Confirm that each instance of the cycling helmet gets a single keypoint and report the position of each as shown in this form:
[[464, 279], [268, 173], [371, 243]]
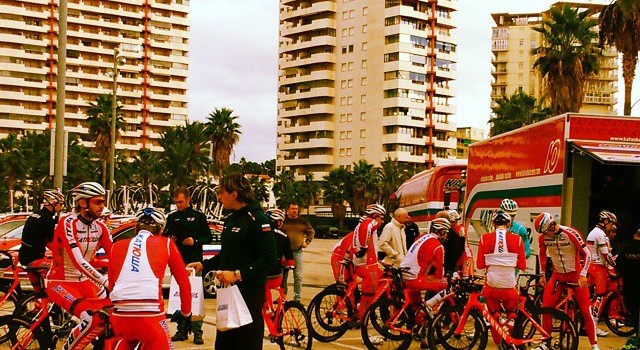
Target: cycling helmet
[[542, 222], [374, 209], [88, 190], [52, 197], [454, 215], [151, 215], [440, 224], [509, 206], [607, 215], [276, 215], [501, 218]]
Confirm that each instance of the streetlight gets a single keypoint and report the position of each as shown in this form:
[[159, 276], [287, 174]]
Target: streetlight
[[117, 60]]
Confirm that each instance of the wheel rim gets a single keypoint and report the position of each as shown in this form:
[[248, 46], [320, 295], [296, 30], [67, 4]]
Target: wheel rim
[[208, 284]]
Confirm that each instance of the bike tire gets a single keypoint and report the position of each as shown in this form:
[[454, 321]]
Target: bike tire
[[375, 332], [564, 334], [294, 323], [621, 324], [324, 327], [443, 325], [10, 303], [20, 335]]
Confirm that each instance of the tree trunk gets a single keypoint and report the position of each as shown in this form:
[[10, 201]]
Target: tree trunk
[[339, 211], [629, 61], [104, 173]]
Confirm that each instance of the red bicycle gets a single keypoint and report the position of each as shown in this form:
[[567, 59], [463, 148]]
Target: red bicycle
[[287, 322]]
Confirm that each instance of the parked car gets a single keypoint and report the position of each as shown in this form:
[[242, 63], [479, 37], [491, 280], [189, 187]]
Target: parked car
[[10, 221]]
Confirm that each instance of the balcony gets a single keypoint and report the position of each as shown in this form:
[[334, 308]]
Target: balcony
[[441, 91], [450, 144], [445, 126], [405, 139], [317, 58], [313, 92], [310, 144], [315, 25], [314, 126], [315, 75], [311, 160], [405, 157], [446, 109], [403, 120], [317, 7], [323, 40], [323, 108]]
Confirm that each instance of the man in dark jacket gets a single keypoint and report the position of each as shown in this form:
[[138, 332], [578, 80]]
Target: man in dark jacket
[[190, 230], [248, 253]]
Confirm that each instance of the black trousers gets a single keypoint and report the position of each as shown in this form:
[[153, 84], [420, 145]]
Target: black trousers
[[248, 337]]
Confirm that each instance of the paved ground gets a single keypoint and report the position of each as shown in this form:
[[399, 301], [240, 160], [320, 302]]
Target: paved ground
[[317, 274]]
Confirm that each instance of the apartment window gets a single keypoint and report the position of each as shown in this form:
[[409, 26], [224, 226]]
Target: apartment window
[[363, 116], [350, 83], [343, 135], [362, 151], [364, 63], [362, 133], [348, 151], [351, 48], [344, 67], [365, 11], [520, 65], [364, 28], [351, 31], [350, 65], [342, 118], [344, 49], [349, 135], [351, 14], [363, 98], [345, 32], [343, 84], [349, 117], [345, 15], [349, 100], [342, 152], [364, 46], [363, 81], [521, 42], [343, 101]]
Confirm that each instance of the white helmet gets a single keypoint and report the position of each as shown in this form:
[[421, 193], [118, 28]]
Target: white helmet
[[275, 214], [105, 212], [151, 215], [373, 209], [88, 190], [509, 206], [52, 197], [454, 215], [440, 224]]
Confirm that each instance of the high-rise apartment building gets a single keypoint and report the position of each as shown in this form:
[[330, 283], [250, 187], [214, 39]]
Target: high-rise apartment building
[[465, 137], [513, 38], [365, 79], [152, 36]]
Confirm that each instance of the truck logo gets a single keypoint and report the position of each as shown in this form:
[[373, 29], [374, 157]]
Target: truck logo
[[553, 155], [453, 183]]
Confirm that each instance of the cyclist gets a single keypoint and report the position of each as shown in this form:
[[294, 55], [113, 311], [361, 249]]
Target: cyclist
[[339, 252], [501, 252], [364, 247], [510, 207], [465, 262], [570, 258], [284, 256], [37, 233], [105, 216], [71, 279], [137, 266]]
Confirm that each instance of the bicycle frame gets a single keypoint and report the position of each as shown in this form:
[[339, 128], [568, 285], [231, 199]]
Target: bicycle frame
[[271, 315], [16, 278], [475, 304]]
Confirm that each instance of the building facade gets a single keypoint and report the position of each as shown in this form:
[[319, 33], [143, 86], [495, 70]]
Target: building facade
[[365, 80], [465, 137], [512, 40], [151, 35]]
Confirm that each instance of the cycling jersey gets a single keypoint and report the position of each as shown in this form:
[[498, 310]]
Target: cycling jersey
[[365, 238], [284, 255], [518, 229], [425, 253], [598, 244], [75, 242], [37, 232], [339, 252], [501, 252], [137, 266], [567, 251]]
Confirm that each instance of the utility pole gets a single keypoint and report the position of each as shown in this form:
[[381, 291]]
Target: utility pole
[[114, 110], [60, 99]]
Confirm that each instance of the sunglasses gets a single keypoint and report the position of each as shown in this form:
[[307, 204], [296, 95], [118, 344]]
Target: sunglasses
[[97, 201]]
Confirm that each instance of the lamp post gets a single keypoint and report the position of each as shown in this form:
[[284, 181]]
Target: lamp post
[[117, 60], [58, 160]]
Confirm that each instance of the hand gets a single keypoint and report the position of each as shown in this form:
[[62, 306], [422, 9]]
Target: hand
[[305, 244], [543, 281], [582, 281], [188, 242], [227, 277], [197, 266]]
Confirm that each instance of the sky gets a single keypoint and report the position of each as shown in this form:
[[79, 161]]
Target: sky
[[234, 64]]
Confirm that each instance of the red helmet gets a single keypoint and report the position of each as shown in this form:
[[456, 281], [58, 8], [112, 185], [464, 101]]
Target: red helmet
[[543, 221]]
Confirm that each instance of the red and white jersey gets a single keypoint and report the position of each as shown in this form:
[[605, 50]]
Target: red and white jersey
[[425, 253], [365, 237], [75, 242], [501, 252], [137, 266], [567, 251], [343, 246], [598, 244]]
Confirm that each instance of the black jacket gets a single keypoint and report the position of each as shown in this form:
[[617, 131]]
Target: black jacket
[[189, 223], [248, 245], [37, 232]]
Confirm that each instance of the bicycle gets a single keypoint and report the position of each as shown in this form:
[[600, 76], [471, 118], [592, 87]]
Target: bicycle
[[568, 304], [287, 322], [616, 316], [470, 328], [10, 290]]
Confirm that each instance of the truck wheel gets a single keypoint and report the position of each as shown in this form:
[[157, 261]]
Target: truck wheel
[[207, 284]]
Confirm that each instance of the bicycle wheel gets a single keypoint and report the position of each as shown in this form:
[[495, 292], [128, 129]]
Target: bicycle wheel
[[18, 333], [294, 324], [563, 335], [375, 330], [7, 307], [329, 314], [617, 317], [441, 330]]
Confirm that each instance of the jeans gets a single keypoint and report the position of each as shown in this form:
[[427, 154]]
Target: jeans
[[297, 276]]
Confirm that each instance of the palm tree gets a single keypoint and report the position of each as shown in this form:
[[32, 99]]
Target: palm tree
[[516, 111], [80, 166], [620, 26], [99, 122], [185, 156], [334, 187], [308, 191], [13, 162], [223, 132], [391, 174], [285, 189], [147, 168], [567, 56], [34, 146], [363, 187]]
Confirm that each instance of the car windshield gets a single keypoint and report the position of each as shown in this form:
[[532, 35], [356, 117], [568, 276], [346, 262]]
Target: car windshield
[[15, 233], [10, 226]]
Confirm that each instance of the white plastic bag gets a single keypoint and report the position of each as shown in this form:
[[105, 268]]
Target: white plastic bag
[[197, 297], [232, 310]]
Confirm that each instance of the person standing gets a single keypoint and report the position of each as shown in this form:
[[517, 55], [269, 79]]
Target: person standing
[[510, 207], [136, 269], [190, 230], [300, 235], [393, 241], [37, 233], [248, 253], [628, 264]]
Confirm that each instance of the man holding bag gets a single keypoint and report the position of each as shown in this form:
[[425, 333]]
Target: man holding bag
[[248, 253], [136, 270]]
